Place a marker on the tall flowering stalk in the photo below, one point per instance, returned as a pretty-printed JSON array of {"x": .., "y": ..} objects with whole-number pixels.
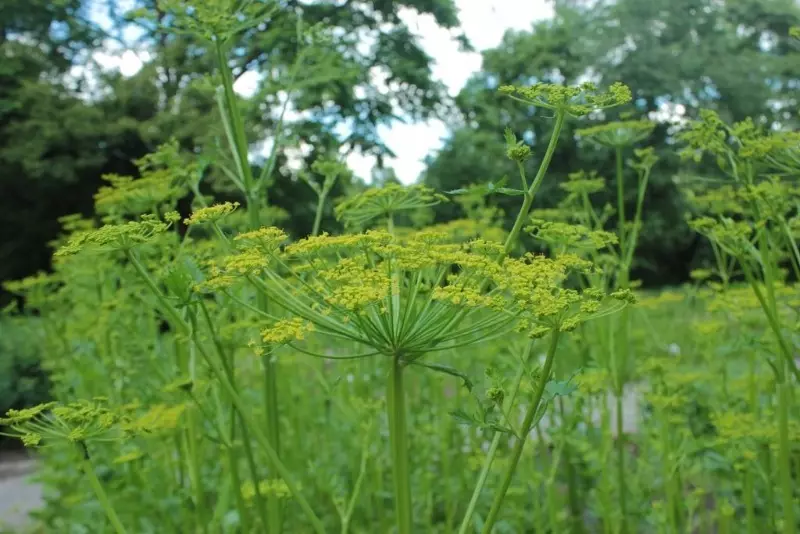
[{"x": 755, "y": 227}]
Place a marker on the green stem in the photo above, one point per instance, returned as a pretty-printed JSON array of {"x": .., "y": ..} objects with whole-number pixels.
[
  {"x": 318, "y": 214},
  {"x": 620, "y": 198},
  {"x": 272, "y": 413},
  {"x": 623, "y": 508},
  {"x": 784, "y": 457},
  {"x": 573, "y": 489},
  {"x": 192, "y": 441},
  {"x": 99, "y": 492},
  {"x": 487, "y": 465},
  {"x": 749, "y": 501},
  {"x": 516, "y": 453},
  {"x": 362, "y": 472},
  {"x": 537, "y": 182},
  {"x": 166, "y": 307},
  {"x": 490, "y": 456},
  {"x": 280, "y": 468},
  {"x": 399, "y": 442}
]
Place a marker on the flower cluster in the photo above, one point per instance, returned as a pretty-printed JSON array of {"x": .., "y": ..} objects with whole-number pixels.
[
  {"x": 567, "y": 236},
  {"x": 618, "y": 134},
  {"x": 211, "y": 213},
  {"x": 577, "y": 100},
  {"x": 118, "y": 236},
  {"x": 414, "y": 294},
  {"x": 161, "y": 183},
  {"x": 87, "y": 420},
  {"x": 385, "y": 201}
]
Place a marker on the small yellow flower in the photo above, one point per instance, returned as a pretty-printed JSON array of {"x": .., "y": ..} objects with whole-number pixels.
[{"x": 211, "y": 213}]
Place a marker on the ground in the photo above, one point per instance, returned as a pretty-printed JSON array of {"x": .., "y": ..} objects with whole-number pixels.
[{"x": 18, "y": 494}]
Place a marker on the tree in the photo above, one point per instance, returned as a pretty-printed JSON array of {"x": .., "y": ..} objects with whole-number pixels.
[
  {"x": 677, "y": 57},
  {"x": 58, "y": 139}
]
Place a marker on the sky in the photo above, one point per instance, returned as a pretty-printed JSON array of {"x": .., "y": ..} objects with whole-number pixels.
[{"x": 483, "y": 21}]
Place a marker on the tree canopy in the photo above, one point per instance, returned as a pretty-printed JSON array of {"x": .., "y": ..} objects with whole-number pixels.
[{"x": 733, "y": 56}]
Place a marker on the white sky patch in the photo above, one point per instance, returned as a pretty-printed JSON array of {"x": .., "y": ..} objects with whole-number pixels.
[{"x": 484, "y": 22}]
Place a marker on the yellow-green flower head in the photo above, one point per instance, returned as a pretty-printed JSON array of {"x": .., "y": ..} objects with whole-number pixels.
[
  {"x": 268, "y": 240},
  {"x": 211, "y": 213},
  {"x": 770, "y": 199},
  {"x": 378, "y": 202},
  {"x": 582, "y": 182},
  {"x": 665, "y": 298},
  {"x": 116, "y": 236},
  {"x": 552, "y": 214},
  {"x": 78, "y": 421},
  {"x": 732, "y": 236},
  {"x": 722, "y": 200},
  {"x": 161, "y": 183},
  {"x": 40, "y": 281},
  {"x": 286, "y": 331},
  {"x": 643, "y": 158},
  {"x": 158, "y": 418},
  {"x": 618, "y": 134},
  {"x": 577, "y": 100},
  {"x": 707, "y": 135},
  {"x": 210, "y": 19},
  {"x": 570, "y": 236},
  {"x": 326, "y": 244},
  {"x": 274, "y": 487}
]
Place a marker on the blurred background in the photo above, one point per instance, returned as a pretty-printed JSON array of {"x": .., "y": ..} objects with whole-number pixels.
[{"x": 406, "y": 91}]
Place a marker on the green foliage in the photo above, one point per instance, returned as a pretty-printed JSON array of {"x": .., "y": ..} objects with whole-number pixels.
[
  {"x": 213, "y": 372},
  {"x": 732, "y": 56},
  {"x": 23, "y": 381}
]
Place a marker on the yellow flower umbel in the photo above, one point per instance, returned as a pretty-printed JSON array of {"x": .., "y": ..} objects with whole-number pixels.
[
  {"x": 405, "y": 297},
  {"x": 618, "y": 133},
  {"x": 211, "y": 213},
  {"x": 383, "y": 202},
  {"x": 123, "y": 236},
  {"x": 576, "y": 100},
  {"x": 162, "y": 181}
]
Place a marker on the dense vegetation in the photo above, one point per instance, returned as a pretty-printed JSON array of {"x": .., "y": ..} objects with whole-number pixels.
[{"x": 233, "y": 346}]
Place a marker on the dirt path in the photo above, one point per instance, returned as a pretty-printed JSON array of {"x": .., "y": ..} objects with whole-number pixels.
[{"x": 18, "y": 495}]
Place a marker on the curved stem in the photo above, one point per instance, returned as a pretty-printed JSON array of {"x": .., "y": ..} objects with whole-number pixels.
[
  {"x": 318, "y": 215},
  {"x": 88, "y": 468},
  {"x": 487, "y": 465},
  {"x": 511, "y": 240},
  {"x": 527, "y": 423}
]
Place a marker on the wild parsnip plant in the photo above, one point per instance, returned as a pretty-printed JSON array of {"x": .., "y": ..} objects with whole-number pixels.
[{"x": 212, "y": 373}]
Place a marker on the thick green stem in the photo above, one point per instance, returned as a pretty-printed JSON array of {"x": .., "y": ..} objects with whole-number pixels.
[
  {"x": 399, "y": 442},
  {"x": 527, "y": 423},
  {"x": 784, "y": 457},
  {"x": 749, "y": 501},
  {"x": 273, "y": 434},
  {"x": 99, "y": 492},
  {"x": 620, "y": 199},
  {"x": 192, "y": 442},
  {"x": 573, "y": 488},
  {"x": 621, "y": 490}
]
